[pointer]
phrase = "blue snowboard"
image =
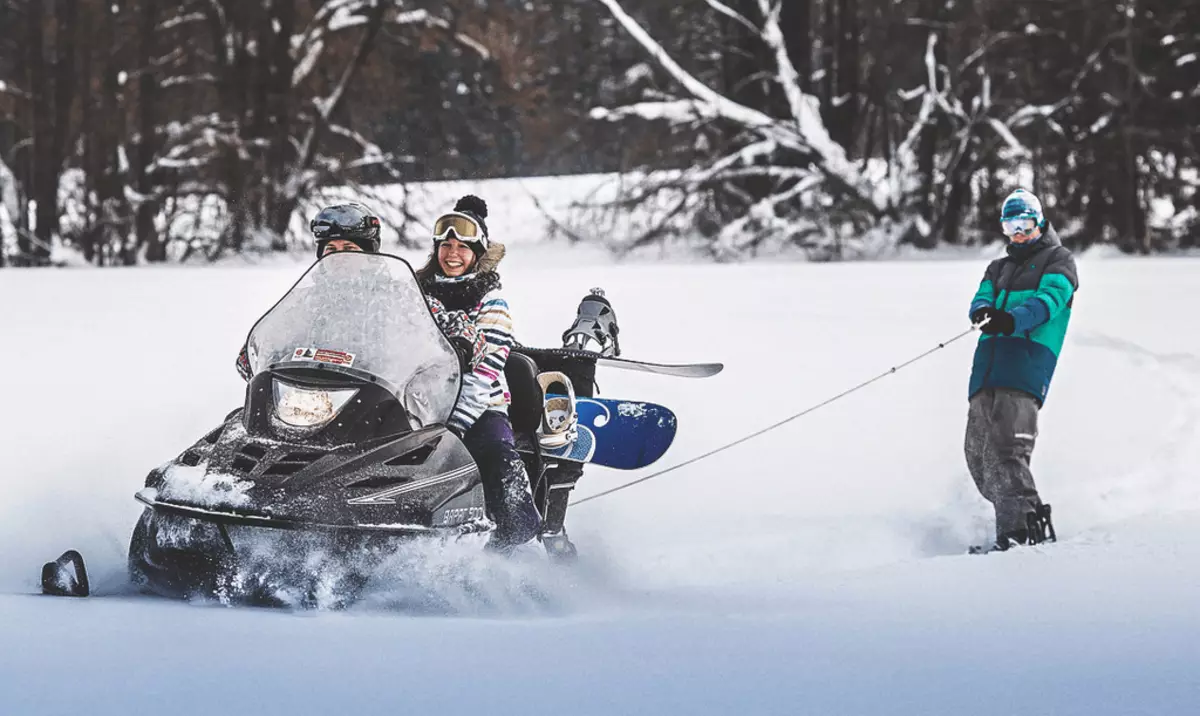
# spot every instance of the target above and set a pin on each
(622, 434)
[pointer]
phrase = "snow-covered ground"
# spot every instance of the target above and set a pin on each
(817, 570)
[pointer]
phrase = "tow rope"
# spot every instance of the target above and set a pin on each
(786, 420)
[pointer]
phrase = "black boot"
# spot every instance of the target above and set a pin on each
(561, 479)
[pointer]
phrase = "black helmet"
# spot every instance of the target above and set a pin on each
(346, 222)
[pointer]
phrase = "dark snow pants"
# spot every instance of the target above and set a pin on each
(1001, 430)
(506, 487)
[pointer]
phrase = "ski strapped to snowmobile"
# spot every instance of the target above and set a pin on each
(340, 448)
(66, 576)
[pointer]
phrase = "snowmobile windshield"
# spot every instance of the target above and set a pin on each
(362, 315)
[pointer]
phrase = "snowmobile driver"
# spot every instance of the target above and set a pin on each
(463, 289)
(343, 227)
(1024, 303)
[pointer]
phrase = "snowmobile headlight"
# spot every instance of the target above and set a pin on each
(306, 407)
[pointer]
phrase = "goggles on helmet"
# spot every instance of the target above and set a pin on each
(1019, 225)
(464, 229)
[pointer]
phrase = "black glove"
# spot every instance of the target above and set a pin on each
(999, 322)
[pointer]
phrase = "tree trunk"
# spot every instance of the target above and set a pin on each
(279, 149)
(844, 128)
(796, 23)
(37, 250)
(91, 125)
(828, 86)
(147, 236)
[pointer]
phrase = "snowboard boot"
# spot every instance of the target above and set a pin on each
(1012, 539)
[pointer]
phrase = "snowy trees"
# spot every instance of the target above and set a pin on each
(779, 159)
(140, 130)
(854, 124)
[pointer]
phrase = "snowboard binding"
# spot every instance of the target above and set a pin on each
(1039, 528)
(559, 418)
(595, 328)
(1039, 525)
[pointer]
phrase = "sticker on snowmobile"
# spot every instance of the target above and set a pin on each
(324, 355)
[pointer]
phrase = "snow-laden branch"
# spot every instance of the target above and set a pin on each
(203, 77)
(762, 212)
(928, 100)
(804, 132)
(1009, 138)
(723, 106)
(306, 62)
(180, 20)
(804, 108)
(334, 16)
(677, 111)
(195, 144)
(326, 106)
(306, 46)
(372, 155)
(789, 79)
(423, 17)
(733, 15)
(8, 192)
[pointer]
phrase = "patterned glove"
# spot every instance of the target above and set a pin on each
(466, 339)
(437, 308)
(458, 327)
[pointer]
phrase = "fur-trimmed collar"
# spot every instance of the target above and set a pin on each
(461, 293)
(491, 258)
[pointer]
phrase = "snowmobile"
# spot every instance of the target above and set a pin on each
(340, 451)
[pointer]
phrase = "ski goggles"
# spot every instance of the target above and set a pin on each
(465, 229)
(1019, 225)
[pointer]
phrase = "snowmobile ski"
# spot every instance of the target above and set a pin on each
(59, 581)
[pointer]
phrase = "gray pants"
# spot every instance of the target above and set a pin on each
(1001, 430)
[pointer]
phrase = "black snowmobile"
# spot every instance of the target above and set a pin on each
(340, 450)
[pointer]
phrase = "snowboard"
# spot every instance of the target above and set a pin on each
(622, 434)
(683, 370)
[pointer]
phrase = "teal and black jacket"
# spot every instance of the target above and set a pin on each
(1036, 283)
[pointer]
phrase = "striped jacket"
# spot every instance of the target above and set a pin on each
(485, 388)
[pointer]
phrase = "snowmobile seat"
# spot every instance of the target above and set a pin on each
(525, 412)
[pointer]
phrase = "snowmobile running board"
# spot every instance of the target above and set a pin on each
(149, 497)
(685, 370)
(57, 581)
